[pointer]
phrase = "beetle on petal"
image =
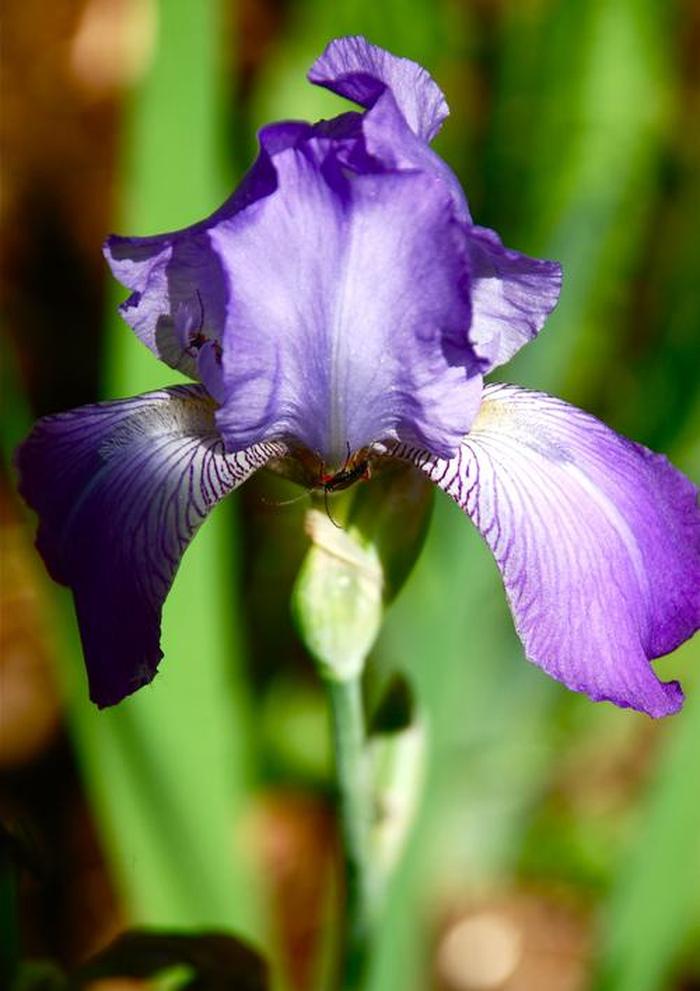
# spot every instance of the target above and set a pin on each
(342, 308)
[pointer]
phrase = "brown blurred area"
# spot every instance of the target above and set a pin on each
(58, 140)
(59, 137)
(66, 66)
(515, 940)
(295, 839)
(65, 900)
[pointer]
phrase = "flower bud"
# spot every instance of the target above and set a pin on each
(350, 575)
(338, 599)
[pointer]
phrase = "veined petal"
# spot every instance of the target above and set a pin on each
(120, 489)
(361, 72)
(597, 539)
(512, 296)
(349, 311)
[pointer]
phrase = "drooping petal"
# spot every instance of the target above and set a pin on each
(362, 72)
(120, 489)
(512, 296)
(597, 539)
(350, 311)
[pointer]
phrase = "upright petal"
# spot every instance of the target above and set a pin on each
(178, 300)
(361, 72)
(177, 305)
(349, 314)
(342, 296)
(120, 489)
(391, 142)
(512, 296)
(178, 280)
(597, 539)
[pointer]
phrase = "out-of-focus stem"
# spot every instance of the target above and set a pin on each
(355, 812)
(340, 595)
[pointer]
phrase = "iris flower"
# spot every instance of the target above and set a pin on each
(339, 309)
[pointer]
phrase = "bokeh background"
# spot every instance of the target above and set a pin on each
(558, 846)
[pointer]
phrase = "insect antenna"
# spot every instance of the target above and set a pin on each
(328, 509)
(277, 503)
(201, 310)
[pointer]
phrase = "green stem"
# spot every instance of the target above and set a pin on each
(345, 700)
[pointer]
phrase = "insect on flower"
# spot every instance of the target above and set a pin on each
(347, 476)
(353, 470)
(343, 307)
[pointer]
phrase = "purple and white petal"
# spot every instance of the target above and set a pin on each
(350, 311)
(512, 296)
(362, 72)
(120, 489)
(597, 539)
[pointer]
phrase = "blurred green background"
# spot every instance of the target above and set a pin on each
(559, 841)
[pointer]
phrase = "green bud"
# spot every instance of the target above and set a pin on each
(338, 599)
(351, 572)
(392, 514)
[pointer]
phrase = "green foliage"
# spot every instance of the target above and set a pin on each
(570, 129)
(169, 770)
(653, 909)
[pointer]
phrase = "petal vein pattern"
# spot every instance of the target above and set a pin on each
(597, 539)
(120, 489)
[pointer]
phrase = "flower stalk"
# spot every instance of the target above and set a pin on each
(349, 575)
(337, 603)
(355, 815)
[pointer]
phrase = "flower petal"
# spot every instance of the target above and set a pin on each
(512, 296)
(177, 305)
(361, 72)
(120, 489)
(350, 311)
(391, 142)
(597, 539)
(178, 280)
(177, 293)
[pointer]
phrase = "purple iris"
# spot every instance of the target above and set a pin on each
(341, 308)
